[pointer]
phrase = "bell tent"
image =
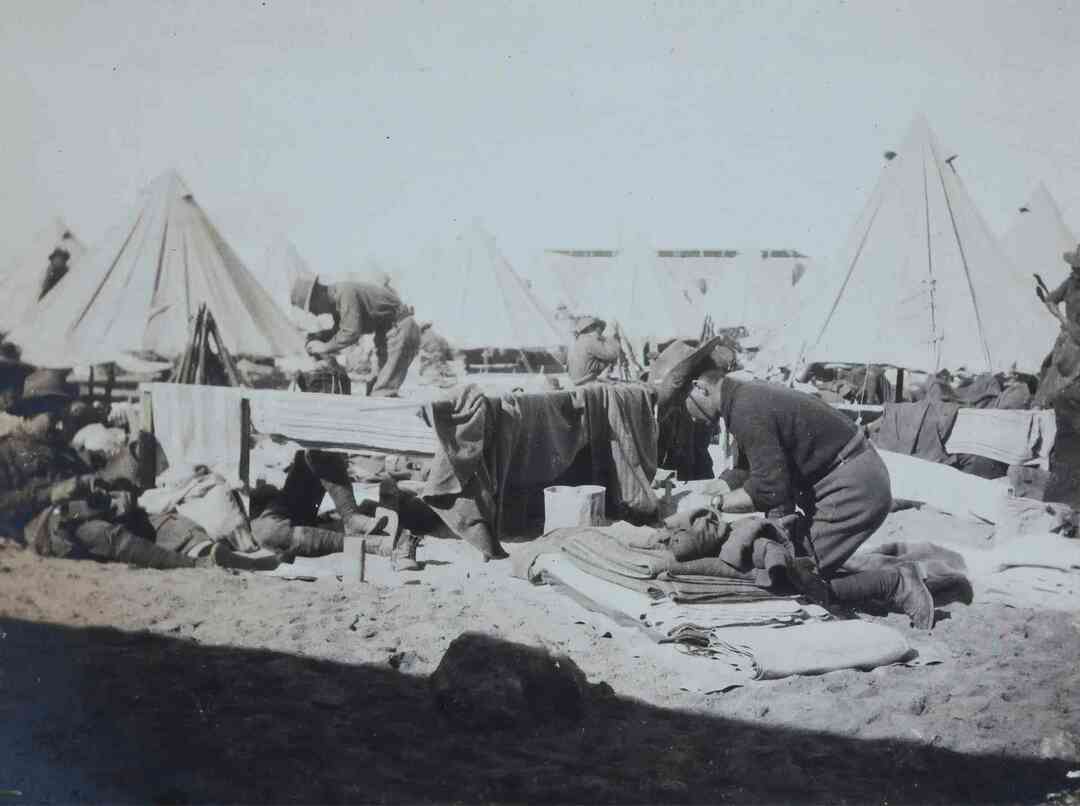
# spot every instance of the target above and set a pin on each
(923, 284)
(21, 284)
(476, 300)
(139, 291)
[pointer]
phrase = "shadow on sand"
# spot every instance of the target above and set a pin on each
(101, 715)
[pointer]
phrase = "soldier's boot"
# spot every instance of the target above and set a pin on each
(403, 554)
(913, 598)
(355, 523)
(224, 557)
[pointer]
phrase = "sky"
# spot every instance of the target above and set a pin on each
(376, 128)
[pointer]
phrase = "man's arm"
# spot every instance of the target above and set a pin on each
(1057, 296)
(769, 487)
(350, 324)
(28, 500)
(605, 349)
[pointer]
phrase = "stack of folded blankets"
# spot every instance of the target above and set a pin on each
(696, 558)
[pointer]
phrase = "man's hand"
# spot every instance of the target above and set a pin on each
(316, 348)
(73, 488)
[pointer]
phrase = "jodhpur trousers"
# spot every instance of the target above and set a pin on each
(402, 345)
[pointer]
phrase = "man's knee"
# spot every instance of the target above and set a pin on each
(272, 532)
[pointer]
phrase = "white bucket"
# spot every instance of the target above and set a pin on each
(573, 506)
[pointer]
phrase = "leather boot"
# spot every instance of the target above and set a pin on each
(947, 585)
(913, 598)
(357, 525)
(310, 541)
(224, 557)
(803, 576)
(403, 557)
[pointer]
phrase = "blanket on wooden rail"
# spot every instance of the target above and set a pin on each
(489, 447)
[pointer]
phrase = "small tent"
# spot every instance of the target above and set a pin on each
(475, 299)
(139, 291)
(20, 285)
(635, 292)
(922, 283)
(761, 290)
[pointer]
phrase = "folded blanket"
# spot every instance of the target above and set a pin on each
(812, 648)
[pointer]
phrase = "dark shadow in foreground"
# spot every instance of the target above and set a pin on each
(98, 714)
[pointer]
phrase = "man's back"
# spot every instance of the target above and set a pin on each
(378, 304)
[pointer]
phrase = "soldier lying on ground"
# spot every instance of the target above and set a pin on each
(50, 498)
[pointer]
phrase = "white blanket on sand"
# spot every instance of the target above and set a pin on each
(761, 640)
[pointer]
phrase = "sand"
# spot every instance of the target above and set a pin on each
(135, 685)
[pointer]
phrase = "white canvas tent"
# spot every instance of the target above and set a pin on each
(763, 291)
(1035, 243)
(21, 283)
(281, 266)
(648, 306)
(475, 299)
(629, 287)
(140, 289)
(923, 284)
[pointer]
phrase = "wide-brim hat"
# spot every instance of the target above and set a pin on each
(681, 362)
(10, 363)
(1073, 257)
(583, 323)
(302, 288)
(43, 388)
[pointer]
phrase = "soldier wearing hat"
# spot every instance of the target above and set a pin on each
(358, 309)
(1062, 365)
(58, 267)
(50, 497)
(13, 374)
(805, 459)
(683, 443)
(591, 355)
(1069, 291)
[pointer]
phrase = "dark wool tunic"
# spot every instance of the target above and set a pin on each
(29, 467)
(790, 439)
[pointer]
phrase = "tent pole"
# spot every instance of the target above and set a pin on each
(202, 348)
(226, 358)
(91, 385)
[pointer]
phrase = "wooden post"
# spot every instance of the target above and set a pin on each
(899, 395)
(110, 382)
(245, 443)
(90, 389)
(147, 442)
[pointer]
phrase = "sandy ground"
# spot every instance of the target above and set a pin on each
(133, 685)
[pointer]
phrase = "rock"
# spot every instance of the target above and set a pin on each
(405, 662)
(485, 683)
(1060, 746)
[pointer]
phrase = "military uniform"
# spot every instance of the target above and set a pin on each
(39, 476)
(361, 308)
(591, 356)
